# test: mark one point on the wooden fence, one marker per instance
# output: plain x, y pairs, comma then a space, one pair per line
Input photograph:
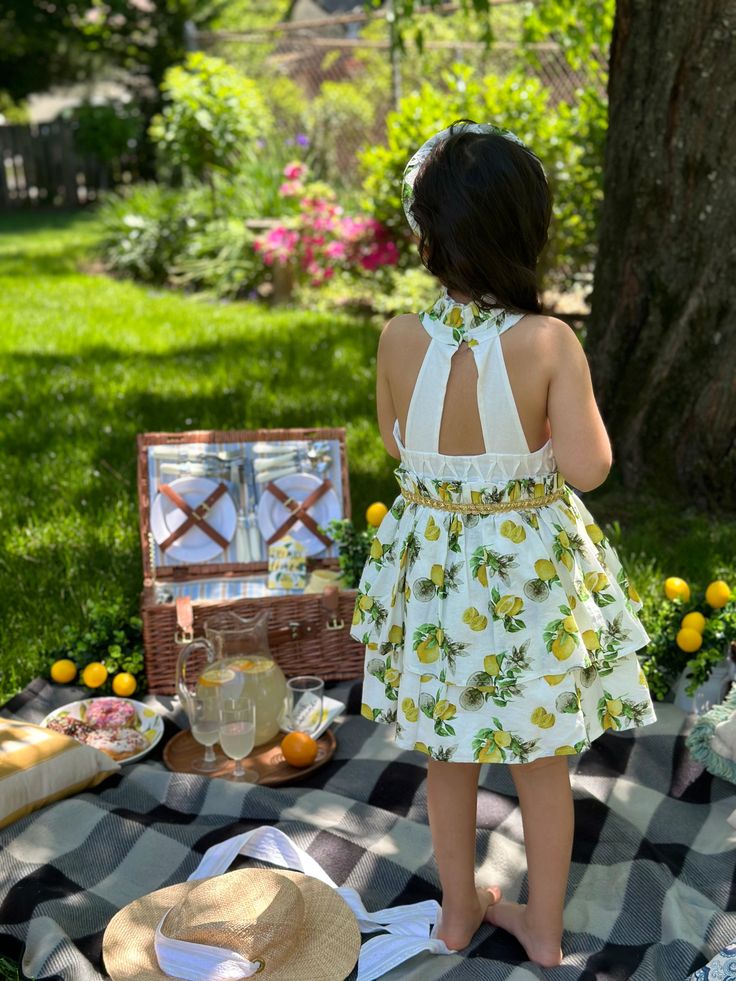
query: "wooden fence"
40, 166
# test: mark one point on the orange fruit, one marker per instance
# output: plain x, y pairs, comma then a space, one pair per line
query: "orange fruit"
375, 513
676, 588
94, 675
63, 671
299, 749
124, 684
688, 640
718, 594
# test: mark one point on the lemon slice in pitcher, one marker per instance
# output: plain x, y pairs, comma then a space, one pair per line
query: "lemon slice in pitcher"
217, 676
251, 665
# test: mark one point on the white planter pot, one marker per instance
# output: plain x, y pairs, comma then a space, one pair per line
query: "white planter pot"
710, 693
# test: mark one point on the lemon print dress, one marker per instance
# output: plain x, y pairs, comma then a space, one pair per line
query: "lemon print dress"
498, 622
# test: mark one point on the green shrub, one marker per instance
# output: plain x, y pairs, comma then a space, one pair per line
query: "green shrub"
143, 230
287, 104
520, 103
212, 117
218, 258
340, 111
106, 132
178, 237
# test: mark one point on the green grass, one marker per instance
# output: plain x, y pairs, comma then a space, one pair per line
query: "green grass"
9, 971
86, 362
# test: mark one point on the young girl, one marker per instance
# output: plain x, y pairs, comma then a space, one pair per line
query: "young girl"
499, 624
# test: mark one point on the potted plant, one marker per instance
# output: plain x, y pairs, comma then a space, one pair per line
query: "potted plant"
692, 654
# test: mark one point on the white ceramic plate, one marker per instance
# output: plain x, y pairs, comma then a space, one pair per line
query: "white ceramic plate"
148, 722
272, 513
194, 545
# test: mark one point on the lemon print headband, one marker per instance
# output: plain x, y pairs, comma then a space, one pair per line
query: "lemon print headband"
413, 167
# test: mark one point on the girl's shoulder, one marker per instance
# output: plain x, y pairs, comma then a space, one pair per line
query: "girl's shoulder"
399, 329
545, 335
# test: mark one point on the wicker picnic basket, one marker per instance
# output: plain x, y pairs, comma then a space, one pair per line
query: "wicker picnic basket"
307, 633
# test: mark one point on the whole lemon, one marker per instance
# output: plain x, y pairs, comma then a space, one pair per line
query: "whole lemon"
63, 671
676, 588
695, 621
375, 513
502, 738
124, 684
688, 640
94, 675
718, 594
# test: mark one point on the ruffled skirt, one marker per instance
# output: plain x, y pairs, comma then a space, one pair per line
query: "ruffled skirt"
499, 637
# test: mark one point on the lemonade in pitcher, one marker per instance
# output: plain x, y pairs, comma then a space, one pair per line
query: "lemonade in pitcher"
239, 666
257, 677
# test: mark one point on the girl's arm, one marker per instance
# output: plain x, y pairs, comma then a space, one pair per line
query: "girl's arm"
579, 439
384, 403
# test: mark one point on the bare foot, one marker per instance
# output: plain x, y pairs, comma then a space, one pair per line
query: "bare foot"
458, 926
543, 949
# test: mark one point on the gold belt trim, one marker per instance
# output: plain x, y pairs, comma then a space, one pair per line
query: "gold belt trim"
499, 506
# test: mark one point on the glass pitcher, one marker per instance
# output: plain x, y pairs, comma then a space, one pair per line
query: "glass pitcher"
237, 664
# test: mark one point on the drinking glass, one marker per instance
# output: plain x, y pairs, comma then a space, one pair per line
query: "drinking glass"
238, 733
304, 701
204, 720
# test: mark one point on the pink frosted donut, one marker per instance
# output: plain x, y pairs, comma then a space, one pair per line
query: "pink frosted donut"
110, 713
118, 743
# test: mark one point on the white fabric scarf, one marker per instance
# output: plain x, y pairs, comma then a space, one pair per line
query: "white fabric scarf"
411, 929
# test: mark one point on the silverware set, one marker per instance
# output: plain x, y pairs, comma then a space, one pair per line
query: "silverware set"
271, 460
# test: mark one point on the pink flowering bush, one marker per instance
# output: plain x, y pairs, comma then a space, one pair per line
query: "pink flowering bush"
321, 239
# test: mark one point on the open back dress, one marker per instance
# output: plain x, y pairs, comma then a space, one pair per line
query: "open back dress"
498, 621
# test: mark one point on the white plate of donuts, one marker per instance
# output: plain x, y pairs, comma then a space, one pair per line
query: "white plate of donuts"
121, 727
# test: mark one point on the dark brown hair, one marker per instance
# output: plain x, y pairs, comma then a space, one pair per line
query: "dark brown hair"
483, 207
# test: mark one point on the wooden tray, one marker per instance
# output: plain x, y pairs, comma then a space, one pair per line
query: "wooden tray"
181, 752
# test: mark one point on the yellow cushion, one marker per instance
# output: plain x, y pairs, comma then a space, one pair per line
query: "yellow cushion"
38, 766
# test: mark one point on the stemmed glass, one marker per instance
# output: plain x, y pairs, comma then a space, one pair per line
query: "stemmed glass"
237, 734
304, 701
204, 720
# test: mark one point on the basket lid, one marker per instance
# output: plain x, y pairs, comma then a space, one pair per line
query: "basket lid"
211, 501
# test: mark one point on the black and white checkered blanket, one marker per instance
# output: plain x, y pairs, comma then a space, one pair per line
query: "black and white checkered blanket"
651, 893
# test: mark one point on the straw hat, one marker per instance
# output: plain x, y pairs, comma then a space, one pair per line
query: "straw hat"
289, 926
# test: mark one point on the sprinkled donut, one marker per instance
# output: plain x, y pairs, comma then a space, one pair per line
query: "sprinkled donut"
118, 743
110, 713
71, 726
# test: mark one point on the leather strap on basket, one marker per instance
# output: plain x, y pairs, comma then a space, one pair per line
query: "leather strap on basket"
184, 620
299, 511
195, 516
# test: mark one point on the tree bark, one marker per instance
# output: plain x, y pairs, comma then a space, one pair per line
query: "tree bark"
662, 332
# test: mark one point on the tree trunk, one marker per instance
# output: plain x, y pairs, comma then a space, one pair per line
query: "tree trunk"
662, 333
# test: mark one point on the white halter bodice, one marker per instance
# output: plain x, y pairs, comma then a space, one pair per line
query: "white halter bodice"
507, 453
